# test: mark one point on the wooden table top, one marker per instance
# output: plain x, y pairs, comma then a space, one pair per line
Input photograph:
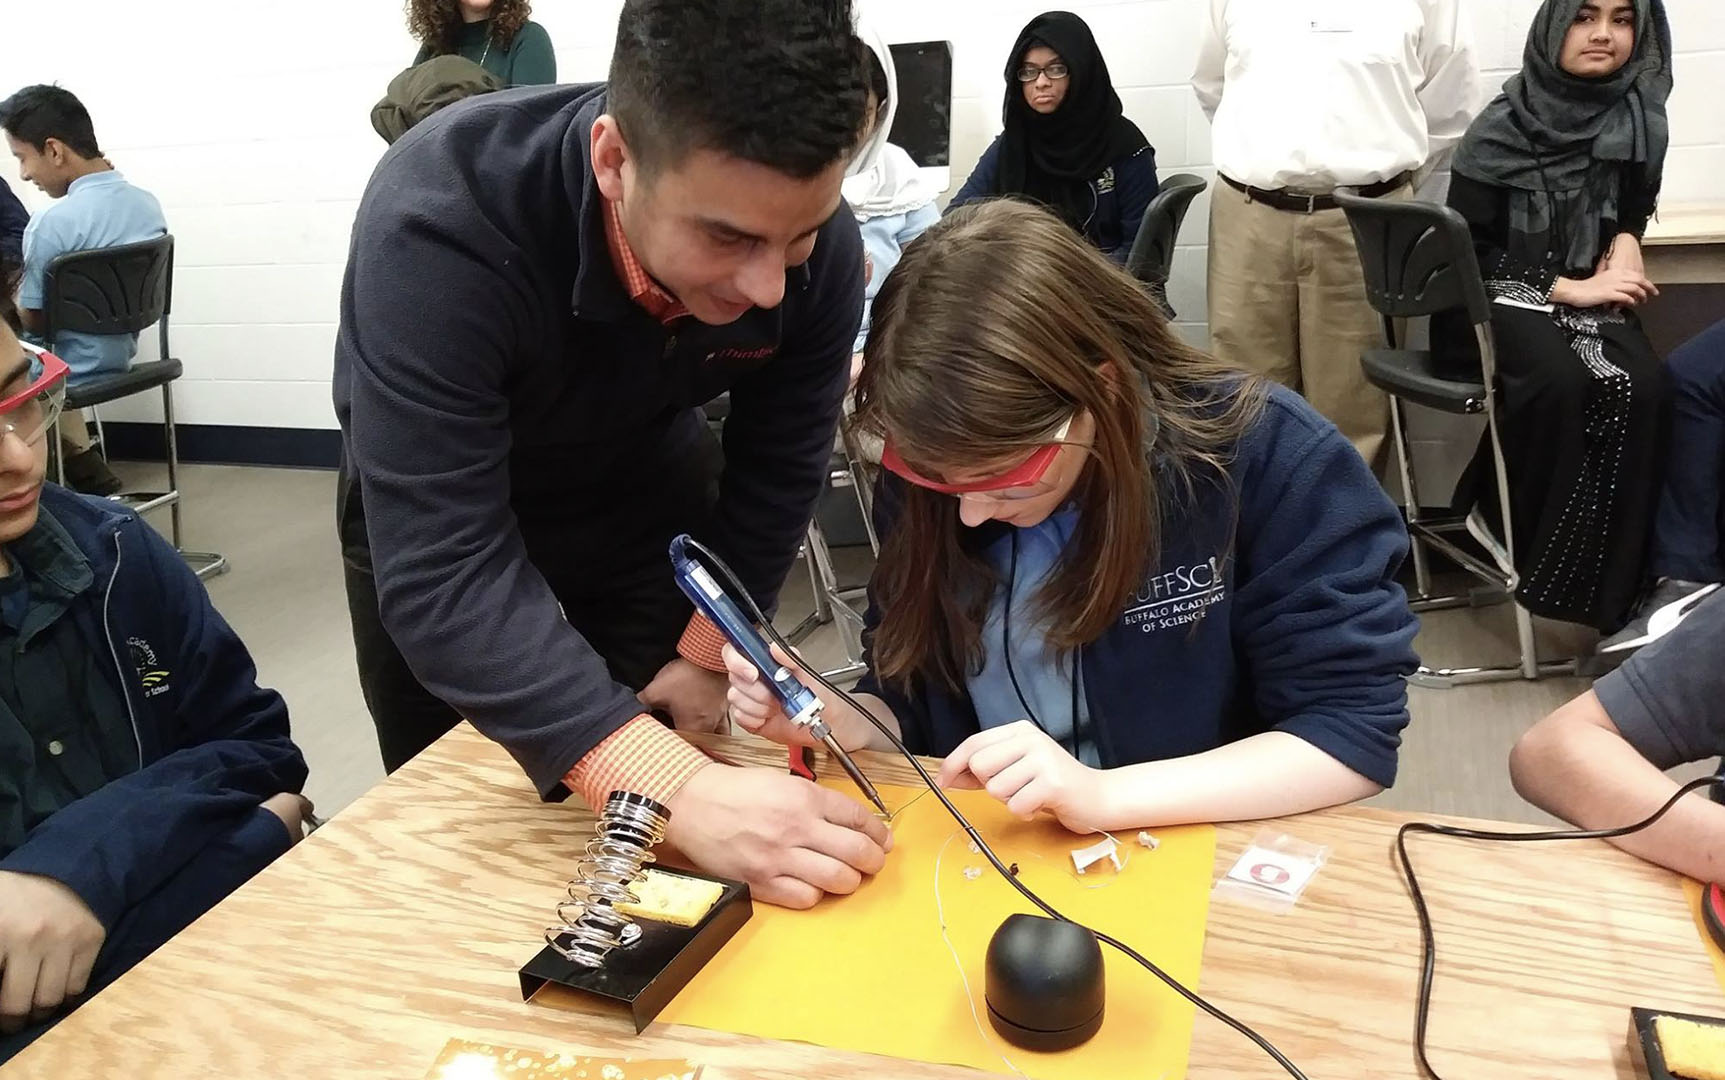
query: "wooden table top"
401, 924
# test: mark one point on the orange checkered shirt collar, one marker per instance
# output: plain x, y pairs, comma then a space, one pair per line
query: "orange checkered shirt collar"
640, 285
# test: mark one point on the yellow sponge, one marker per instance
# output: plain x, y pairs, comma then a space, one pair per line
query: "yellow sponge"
1691, 1050
675, 899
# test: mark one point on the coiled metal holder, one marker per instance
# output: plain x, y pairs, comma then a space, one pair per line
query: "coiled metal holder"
590, 926
601, 952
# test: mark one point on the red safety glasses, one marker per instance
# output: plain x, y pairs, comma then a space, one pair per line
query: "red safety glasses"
1022, 482
30, 412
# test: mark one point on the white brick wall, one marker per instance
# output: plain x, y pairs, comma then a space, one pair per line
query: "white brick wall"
259, 144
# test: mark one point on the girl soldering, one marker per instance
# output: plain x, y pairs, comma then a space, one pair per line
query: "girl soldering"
1119, 582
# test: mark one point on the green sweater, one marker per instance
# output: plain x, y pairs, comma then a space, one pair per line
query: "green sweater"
529, 60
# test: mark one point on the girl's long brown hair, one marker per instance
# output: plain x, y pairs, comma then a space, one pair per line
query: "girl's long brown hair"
437, 23
998, 324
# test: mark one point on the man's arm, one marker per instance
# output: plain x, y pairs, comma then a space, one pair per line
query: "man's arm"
1598, 761
1450, 90
429, 328
42, 244
1577, 765
1212, 67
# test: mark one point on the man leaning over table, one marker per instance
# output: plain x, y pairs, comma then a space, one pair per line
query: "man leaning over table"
545, 285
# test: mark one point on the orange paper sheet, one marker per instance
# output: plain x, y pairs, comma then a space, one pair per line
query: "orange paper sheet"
871, 972
1693, 890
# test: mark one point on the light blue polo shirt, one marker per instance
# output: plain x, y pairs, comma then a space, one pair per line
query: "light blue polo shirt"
100, 210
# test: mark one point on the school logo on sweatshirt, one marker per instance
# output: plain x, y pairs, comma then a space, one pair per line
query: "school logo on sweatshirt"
150, 670
1179, 597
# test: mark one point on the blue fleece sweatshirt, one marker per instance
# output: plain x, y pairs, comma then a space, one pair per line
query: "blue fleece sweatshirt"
1273, 607
1122, 193
151, 851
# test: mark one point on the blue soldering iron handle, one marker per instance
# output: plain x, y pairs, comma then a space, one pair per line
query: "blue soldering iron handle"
798, 701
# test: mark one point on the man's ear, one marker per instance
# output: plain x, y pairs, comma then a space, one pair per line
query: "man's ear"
56, 152
610, 154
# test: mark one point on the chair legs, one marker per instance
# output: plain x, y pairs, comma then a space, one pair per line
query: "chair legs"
204, 563
1499, 580
833, 603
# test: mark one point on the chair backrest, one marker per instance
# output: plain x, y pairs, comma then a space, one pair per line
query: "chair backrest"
1153, 248
1418, 258
116, 290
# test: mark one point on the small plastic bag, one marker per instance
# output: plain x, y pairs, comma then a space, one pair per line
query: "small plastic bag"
1272, 873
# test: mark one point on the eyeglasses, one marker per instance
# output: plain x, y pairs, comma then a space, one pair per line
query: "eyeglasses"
1030, 72
1026, 481
30, 412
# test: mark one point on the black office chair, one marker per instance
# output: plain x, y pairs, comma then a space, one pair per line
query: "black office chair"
1152, 257
123, 290
1418, 260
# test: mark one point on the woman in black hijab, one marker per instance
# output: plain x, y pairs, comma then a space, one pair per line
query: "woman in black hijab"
1067, 143
1557, 178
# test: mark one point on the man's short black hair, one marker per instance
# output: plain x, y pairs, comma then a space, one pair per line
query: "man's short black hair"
778, 82
36, 114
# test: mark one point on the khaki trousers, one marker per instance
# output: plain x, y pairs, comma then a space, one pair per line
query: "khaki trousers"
1288, 300
74, 433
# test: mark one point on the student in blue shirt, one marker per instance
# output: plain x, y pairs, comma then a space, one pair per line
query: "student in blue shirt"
1120, 582
49, 131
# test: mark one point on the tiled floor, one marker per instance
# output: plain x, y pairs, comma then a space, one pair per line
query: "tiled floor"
284, 596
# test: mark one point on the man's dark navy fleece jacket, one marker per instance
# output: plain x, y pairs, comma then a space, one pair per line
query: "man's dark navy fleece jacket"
1273, 607
503, 404
154, 848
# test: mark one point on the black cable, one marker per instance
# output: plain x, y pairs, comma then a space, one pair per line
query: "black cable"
1428, 948
739, 592
1011, 673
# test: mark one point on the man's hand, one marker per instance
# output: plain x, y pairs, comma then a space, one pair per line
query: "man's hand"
294, 810
694, 696
1028, 771
49, 939
790, 840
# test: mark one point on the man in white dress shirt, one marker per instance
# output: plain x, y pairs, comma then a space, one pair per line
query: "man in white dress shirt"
1306, 97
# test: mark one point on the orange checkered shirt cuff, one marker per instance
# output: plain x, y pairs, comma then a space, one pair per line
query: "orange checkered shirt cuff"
642, 756
702, 643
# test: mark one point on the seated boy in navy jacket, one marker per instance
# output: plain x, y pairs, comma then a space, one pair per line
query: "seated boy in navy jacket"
144, 774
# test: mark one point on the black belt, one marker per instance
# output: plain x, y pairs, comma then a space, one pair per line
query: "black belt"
1282, 199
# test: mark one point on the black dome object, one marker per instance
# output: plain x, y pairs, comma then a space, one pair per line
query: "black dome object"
1044, 983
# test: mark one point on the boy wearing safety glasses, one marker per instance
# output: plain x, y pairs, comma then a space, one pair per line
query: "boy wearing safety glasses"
144, 774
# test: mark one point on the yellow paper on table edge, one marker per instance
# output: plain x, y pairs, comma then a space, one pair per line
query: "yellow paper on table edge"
1693, 890
870, 972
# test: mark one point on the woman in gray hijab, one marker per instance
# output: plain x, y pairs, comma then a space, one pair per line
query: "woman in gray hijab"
1557, 178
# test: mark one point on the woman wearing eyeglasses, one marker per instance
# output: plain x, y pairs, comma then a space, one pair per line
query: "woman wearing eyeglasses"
1067, 144
1120, 582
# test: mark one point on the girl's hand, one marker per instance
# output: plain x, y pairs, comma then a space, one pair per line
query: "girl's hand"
1023, 767
753, 704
